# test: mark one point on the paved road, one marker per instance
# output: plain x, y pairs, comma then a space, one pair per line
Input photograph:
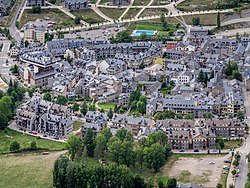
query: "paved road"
13, 30
243, 166
140, 12
233, 32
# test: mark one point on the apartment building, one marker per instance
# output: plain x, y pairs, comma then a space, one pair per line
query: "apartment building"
31, 3
76, 5
33, 33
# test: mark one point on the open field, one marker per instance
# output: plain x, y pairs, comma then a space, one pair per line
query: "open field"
160, 2
107, 106
27, 171
196, 5
112, 13
140, 2
61, 19
89, 16
24, 140
153, 12
232, 143
205, 19
197, 170
77, 125
132, 12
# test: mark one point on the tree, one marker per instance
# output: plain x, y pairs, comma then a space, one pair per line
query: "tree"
200, 76
218, 20
92, 108
14, 69
59, 172
47, 97
240, 116
219, 185
139, 182
139, 155
160, 184
220, 143
189, 116
172, 183
234, 172
33, 145
26, 43
6, 106
196, 20
84, 108
36, 9
75, 107
124, 135
52, 1
89, 142
3, 121
122, 36
73, 145
77, 20
134, 96
237, 75
61, 100
110, 113
231, 186
101, 146
211, 75
236, 163
154, 156
14, 146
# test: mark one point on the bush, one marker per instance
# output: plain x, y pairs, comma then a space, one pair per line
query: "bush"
14, 146
33, 145
234, 172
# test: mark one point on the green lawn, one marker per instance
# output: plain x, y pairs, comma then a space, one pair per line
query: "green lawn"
160, 2
196, 5
205, 19
25, 140
232, 143
140, 2
27, 171
153, 12
77, 125
89, 16
132, 12
61, 19
107, 106
113, 13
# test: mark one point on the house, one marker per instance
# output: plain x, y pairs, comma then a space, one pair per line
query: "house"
76, 5
134, 123
95, 121
31, 3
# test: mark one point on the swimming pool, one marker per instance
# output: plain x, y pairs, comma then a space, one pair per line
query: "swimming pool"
137, 33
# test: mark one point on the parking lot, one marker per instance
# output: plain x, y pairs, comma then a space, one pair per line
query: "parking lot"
203, 170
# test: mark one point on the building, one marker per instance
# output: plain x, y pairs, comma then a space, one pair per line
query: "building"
33, 33
76, 5
45, 118
95, 121
130, 122
31, 3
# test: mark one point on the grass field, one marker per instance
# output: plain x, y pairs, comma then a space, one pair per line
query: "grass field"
153, 12
89, 16
232, 143
61, 19
205, 19
140, 2
160, 2
77, 125
132, 12
107, 106
27, 171
24, 140
112, 13
196, 5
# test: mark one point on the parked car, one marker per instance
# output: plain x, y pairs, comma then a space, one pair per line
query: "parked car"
225, 172
211, 162
236, 175
182, 150
196, 150
227, 161
226, 167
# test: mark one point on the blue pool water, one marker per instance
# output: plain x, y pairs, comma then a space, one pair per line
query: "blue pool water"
137, 33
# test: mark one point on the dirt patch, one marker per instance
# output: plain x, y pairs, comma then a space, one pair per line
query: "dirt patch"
198, 170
